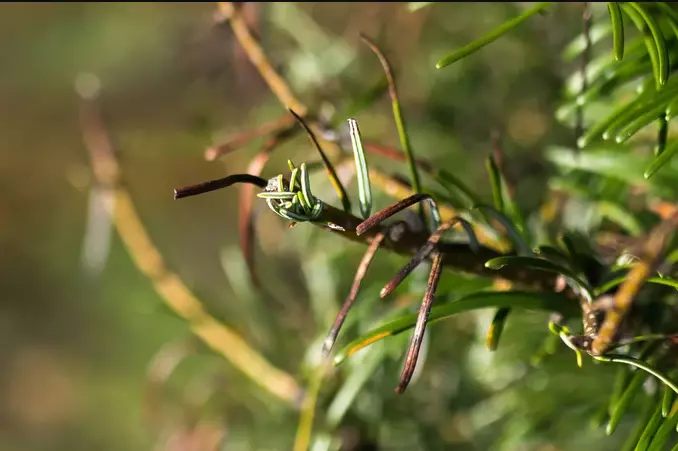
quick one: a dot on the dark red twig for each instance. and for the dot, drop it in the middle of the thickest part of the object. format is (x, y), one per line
(420, 327)
(421, 255)
(213, 185)
(391, 210)
(353, 293)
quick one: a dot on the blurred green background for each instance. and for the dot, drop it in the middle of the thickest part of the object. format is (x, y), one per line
(77, 344)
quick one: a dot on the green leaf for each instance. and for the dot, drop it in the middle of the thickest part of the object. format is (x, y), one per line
(659, 41)
(614, 162)
(604, 67)
(355, 381)
(550, 302)
(629, 394)
(667, 401)
(658, 57)
(598, 32)
(625, 115)
(621, 382)
(639, 112)
(504, 203)
(617, 29)
(664, 432)
(661, 159)
(517, 239)
(607, 286)
(671, 16)
(632, 361)
(496, 328)
(640, 122)
(491, 37)
(537, 263)
(397, 113)
(451, 184)
(361, 169)
(495, 184)
(663, 133)
(621, 216)
(644, 418)
(650, 429)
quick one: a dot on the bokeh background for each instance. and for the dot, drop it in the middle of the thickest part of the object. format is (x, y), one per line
(78, 341)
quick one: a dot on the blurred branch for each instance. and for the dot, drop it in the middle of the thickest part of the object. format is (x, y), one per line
(281, 89)
(223, 148)
(256, 54)
(167, 284)
(651, 253)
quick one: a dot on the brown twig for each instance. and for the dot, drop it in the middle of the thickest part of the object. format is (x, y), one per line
(167, 284)
(257, 56)
(393, 209)
(353, 293)
(652, 252)
(464, 258)
(420, 326)
(219, 150)
(421, 255)
(217, 184)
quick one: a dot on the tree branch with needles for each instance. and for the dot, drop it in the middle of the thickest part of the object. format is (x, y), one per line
(486, 253)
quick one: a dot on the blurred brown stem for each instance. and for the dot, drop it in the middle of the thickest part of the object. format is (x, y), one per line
(652, 251)
(219, 150)
(169, 286)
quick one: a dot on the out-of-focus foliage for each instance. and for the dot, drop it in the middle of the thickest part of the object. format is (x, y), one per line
(87, 350)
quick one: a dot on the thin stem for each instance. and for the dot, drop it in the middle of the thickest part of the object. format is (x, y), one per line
(391, 210)
(469, 259)
(421, 255)
(643, 338)
(353, 293)
(217, 184)
(492, 36)
(397, 113)
(420, 327)
(219, 150)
